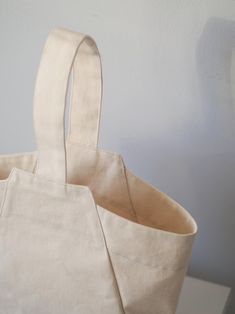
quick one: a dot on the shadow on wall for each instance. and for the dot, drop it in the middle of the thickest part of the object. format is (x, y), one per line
(214, 63)
(198, 167)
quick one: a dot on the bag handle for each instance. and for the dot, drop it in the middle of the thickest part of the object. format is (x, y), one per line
(66, 50)
(85, 109)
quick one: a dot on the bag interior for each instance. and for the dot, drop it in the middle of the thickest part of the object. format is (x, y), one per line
(114, 187)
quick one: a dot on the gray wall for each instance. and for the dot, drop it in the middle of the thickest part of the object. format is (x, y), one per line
(169, 100)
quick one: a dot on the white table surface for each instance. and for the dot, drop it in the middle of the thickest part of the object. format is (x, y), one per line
(202, 297)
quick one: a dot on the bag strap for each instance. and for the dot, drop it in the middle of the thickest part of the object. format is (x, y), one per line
(66, 50)
(86, 101)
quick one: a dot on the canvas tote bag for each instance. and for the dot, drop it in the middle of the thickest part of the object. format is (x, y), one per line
(80, 233)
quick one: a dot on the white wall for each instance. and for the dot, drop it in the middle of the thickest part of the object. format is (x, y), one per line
(169, 100)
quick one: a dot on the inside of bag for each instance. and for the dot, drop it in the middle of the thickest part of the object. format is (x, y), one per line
(113, 187)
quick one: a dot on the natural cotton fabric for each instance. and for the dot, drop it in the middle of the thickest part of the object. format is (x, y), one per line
(80, 233)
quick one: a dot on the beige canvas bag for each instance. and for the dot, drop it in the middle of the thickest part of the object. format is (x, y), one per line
(106, 242)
